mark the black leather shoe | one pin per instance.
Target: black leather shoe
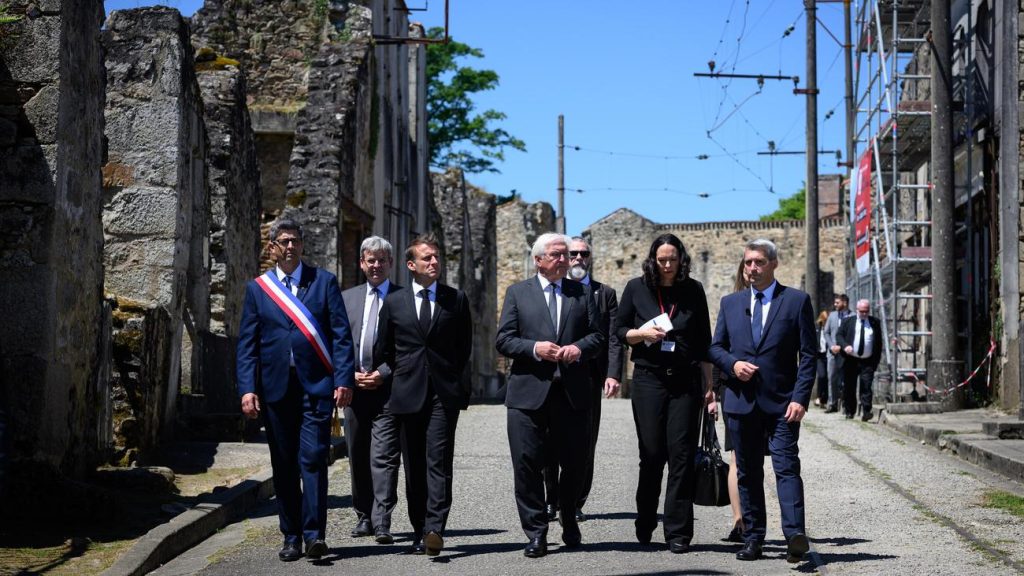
(551, 512)
(736, 535)
(750, 551)
(679, 547)
(433, 543)
(849, 416)
(570, 530)
(643, 535)
(383, 536)
(797, 548)
(580, 516)
(418, 548)
(536, 548)
(831, 410)
(363, 528)
(315, 549)
(867, 416)
(290, 552)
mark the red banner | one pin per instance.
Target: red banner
(862, 214)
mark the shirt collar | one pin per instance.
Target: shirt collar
(768, 292)
(384, 287)
(296, 274)
(416, 288)
(544, 282)
(586, 280)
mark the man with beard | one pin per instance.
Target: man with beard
(841, 305)
(605, 375)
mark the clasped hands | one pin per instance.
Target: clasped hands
(552, 352)
(369, 380)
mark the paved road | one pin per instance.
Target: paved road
(877, 503)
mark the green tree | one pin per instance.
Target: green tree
(459, 136)
(791, 208)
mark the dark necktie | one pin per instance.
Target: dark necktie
(425, 311)
(755, 322)
(860, 346)
(370, 334)
(553, 307)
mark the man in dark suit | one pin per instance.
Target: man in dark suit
(765, 344)
(425, 340)
(363, 303)
(295, 364)
(860, 338)
(605, 375)
(549, 328)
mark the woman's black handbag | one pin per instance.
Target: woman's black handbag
(712, 473)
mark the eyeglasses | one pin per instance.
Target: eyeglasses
(557, 255)
(581, 253)
(287, 241)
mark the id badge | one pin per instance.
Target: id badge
(668, 346)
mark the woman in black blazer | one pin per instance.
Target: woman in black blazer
(671, 384)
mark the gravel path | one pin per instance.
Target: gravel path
(877, 503)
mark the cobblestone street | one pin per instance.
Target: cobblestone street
(877, 503)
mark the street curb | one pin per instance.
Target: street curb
(167, 541)
(965, 446)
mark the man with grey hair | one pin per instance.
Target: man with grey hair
(860, 338)
(765, 344)
(373, 465)
(549, 328)
(605, 375)
(295, 364)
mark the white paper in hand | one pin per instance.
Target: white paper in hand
(661, 321)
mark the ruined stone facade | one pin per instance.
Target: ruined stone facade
(51, 148)
(234, 190)
(621, 241)
(155, 216)
(468, 222)
(517, 226)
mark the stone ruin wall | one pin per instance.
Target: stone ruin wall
(51, 74)
(155, 217)
(622, 239)
(468, 222)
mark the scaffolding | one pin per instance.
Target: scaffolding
(893, 127)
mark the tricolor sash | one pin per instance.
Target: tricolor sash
(294, 308)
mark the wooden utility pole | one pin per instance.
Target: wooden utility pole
(560, 216)
(944, 366)
(811, 207)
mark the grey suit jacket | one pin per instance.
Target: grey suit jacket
(831, 328)
(355, 301)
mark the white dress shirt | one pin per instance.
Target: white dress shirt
(766, 301)
(431, 293)
(295, 275)
(869, 338)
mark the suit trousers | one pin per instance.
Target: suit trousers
(554, 427)
(748, 433)
(857, 372)
(428, 445)
(835, 380)
(385, 455)
(551, 471)
(665, 411)
(299, 435)
(359, 417)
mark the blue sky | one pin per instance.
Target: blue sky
(622, 74)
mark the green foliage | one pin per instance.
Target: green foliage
(791, 208)
(5, 16)
(459, 136)
(320, 9)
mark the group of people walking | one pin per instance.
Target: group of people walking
(394, 358)
(850, 349)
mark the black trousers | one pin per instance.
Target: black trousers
(428, 444)
(359, 416)
(821, 365)
(551, 471)
(385, 455)
(665, 411)
(857, 372)
(557, 427)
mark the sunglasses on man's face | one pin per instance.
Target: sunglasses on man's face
(583, 253)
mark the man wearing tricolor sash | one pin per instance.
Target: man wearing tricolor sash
(295, 364)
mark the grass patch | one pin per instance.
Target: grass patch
(75, 557)
(1004, 501)
(211, 480)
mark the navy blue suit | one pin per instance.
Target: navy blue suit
(785, 357)
(296, 403)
